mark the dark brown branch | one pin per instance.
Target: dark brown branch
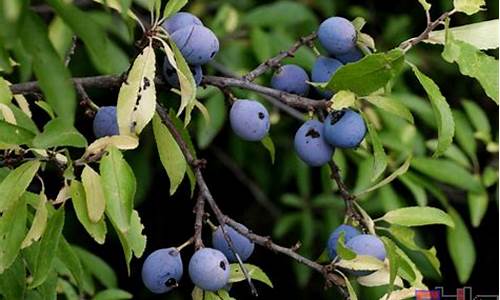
(275, 61)
(287, 98)
(408, 44)
(198, 223)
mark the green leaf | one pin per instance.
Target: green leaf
(112, 294)
(390, 248)
(342, 250)
(5, 93)
(453, 152)
(406, 236)
(342, 99)
(23, 116)
(391, 105)
(379, 156)
(11, 134)
(97, 267)
(417, 190)
(401, 170)
(137, 97)
(408, 270)
(261, 44)
(417, 216)
(469, 7)
(482, 35)
(53, 77)
(254, 272)
(48, 246)
(96, 230)
(369, 74)
(478, 205)
(94, 194)
(285, 224)
(67, 290)
(133, 242)
(13, 281)
(68, 257)
(478, 117)
(473, 63)
(464, 134)
(426, 5)
(350, 289)
(46, 107)
(288, 13)
(171, 155)
(268, 143)
(119, 186)
(56, 133)
(461, 247)
(172, 7)
(92, 34)
(61, 36)
(440, 169)
(39, 222)
(14, 185)
(490, 176)
(12, 231)
(442, 112)
(207, 131)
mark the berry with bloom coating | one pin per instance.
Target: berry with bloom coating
(105, 122)
(180, 20)
(162, 270)
(337, 35)
(249, 119)
(173, 79)
(352, 56)
(209, 269)
(367, 244)
(323, 69)
(344, 129)
(242, 245)
(310, 144)
(349, 233)
(197, 44)
(291, 79)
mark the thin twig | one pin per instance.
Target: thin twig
(275, 61)
(198, 223)
(71, 51)
(408, 44)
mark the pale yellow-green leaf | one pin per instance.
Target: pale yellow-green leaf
(425, 4)
(469, 7)
(391, 105)
(253, 271)
(14, 185)
(39, 222)
(342, 99)
(482, 35)
(170, 154)
(378, 278)
(137, 97)
(5, 93)
(350, 289)
(122, 142)
(401, 294)
(94, 194)
(23, 104)
(7, 114)
(63, 195)
(361, 262)
(58, 156)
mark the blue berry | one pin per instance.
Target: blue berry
(323, 69)
(249, 119)
(310, 144)
(197, 44)
(349, 233)
(105, 122)
(209, 269)
(367, 244)
(344, 129)
(172, 78)
(162, 270)
(242, 245)
(352, 56)
(337, 35)
(291, 79)
(180, 20)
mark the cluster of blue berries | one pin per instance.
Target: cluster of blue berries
(361, 244)
(197, 43)
(314, 141)
(209, 268)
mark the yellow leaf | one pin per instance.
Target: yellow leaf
(96, 203)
